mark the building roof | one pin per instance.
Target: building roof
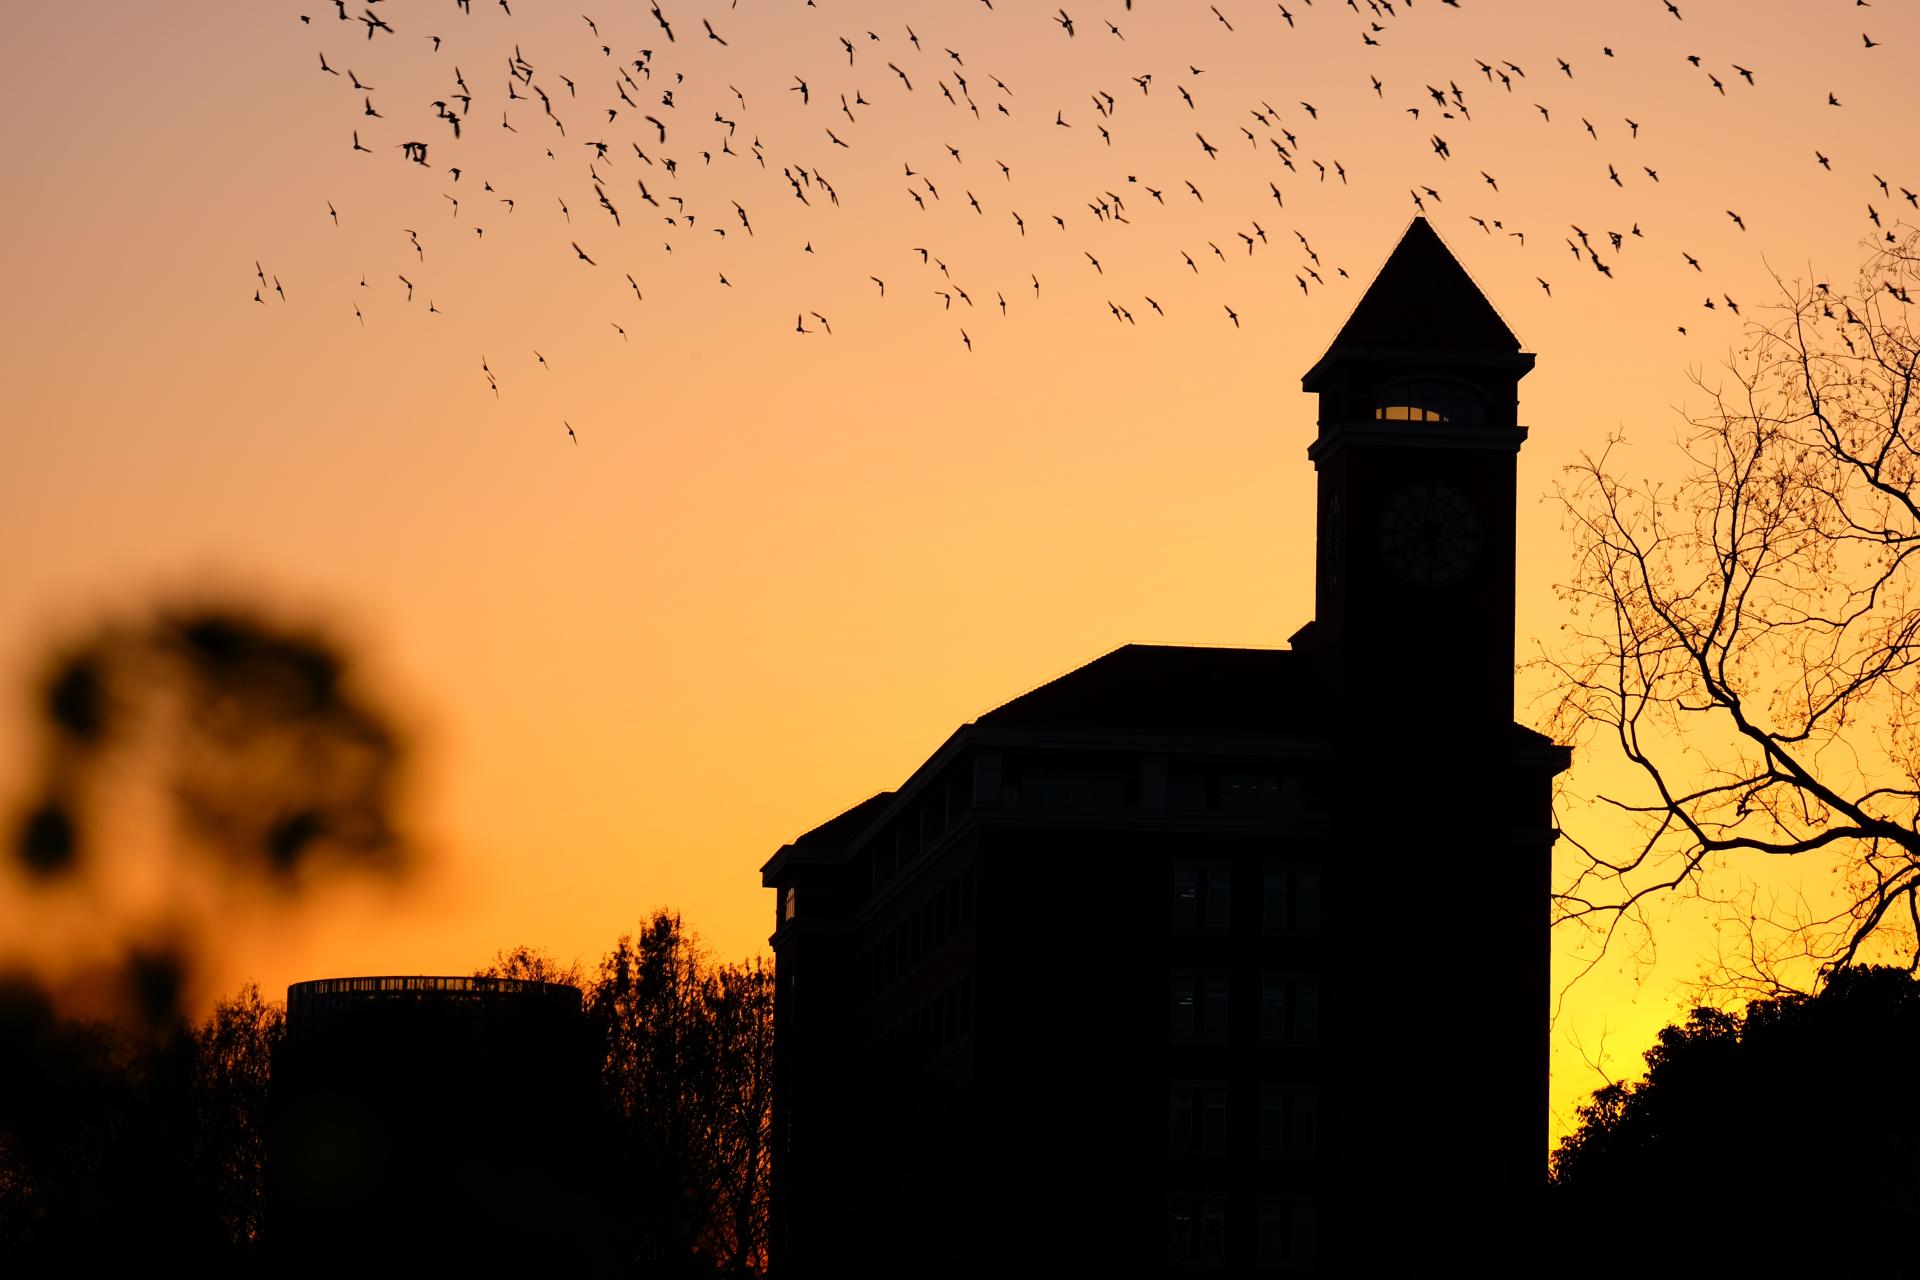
(1150, 688)
(1423, 300)
(837, 833)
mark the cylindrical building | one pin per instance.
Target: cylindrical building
(429, 1120)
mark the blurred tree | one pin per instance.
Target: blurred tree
(1750, 638)
(253, 741)
(687, 1081)
(1777, 1142)
(137, 1138)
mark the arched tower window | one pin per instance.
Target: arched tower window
(1430, 401)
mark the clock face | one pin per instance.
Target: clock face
(1429, 534)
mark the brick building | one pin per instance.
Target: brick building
(1214, 959)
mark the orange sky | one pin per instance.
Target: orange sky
(779, 568)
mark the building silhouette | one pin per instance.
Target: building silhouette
(437, 1123)
(1213, 958)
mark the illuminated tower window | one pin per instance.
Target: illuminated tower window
(1430, 402)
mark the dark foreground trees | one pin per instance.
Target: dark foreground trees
(122, 1145)
(118, 1145)
(1781, 1141)
(1749, 638)
(687, 1092)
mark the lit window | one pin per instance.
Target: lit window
(787, 908)
(1430, 401)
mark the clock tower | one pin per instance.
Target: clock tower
(1416, 453)
(1438, 880)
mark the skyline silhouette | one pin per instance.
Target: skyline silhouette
(611, 643)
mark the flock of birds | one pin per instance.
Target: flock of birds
(657, 151)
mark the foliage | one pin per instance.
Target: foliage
(233, 1061)
(1776, 1141)
(687, 1080)
(529, 965)
(117, 1145)
(233, 758)
(1749, 637)
(121, 1143)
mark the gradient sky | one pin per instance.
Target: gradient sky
(778, 568)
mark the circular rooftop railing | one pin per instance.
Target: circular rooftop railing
(324, 997)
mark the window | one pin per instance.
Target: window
(1288, 1229)
(1250, 792)
(1087, 786)
(1186, 897)
(1289, 1120)
(1180, 1117)
(1213, 1227)
(1289, 899)
(1290, 1008)
(1184, 1021)
(1213, 1117)
(787, 896)
(1180, 1224)
(1196, 1227)
(1202, 895)
(1430, 401)
(1213, 993)
(1408, 413)
(1199, 1007)
(1197, 1116)
(1274, 1008)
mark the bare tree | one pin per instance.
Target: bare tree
(1749, 637)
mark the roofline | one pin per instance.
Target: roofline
(1522, 360)
(1374, 279)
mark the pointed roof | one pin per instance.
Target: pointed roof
(1424, 300)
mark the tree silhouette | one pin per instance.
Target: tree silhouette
(257, 745)
(118, 1143)
(686, 1079)
(531, 965)
(1778, 1141)
(1749, 637)
(233, 1058)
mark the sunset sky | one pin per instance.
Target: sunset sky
(779, 567)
